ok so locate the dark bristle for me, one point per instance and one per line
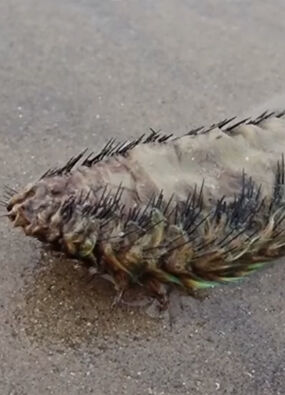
(279, 189)
(168, 205)
(169, 250)
(225, 122)
(10, 189)
(194, 132)
(92, 159)
(152, 136)
(234, 126)
(266, 116)
(144, 215)
(280, 114)
(258, 119)
(46, 174)
(68, 209)
(209, 129)
(8, 193)
(121, 148)
(66, 168)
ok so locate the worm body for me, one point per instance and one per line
(194, 211)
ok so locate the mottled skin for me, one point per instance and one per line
(58, 208)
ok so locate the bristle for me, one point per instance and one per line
(9, 190)
(234, 126)
(121, 148)
(280, 114)
(66, 168)
(195, 131)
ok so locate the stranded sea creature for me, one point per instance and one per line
(194, 212)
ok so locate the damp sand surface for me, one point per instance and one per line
(74, 74)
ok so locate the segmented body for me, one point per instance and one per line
(194, 211)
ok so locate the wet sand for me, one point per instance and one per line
(72, 75)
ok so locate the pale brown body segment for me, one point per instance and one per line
(183, 210)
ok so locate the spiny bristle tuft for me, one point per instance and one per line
(113, 148)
